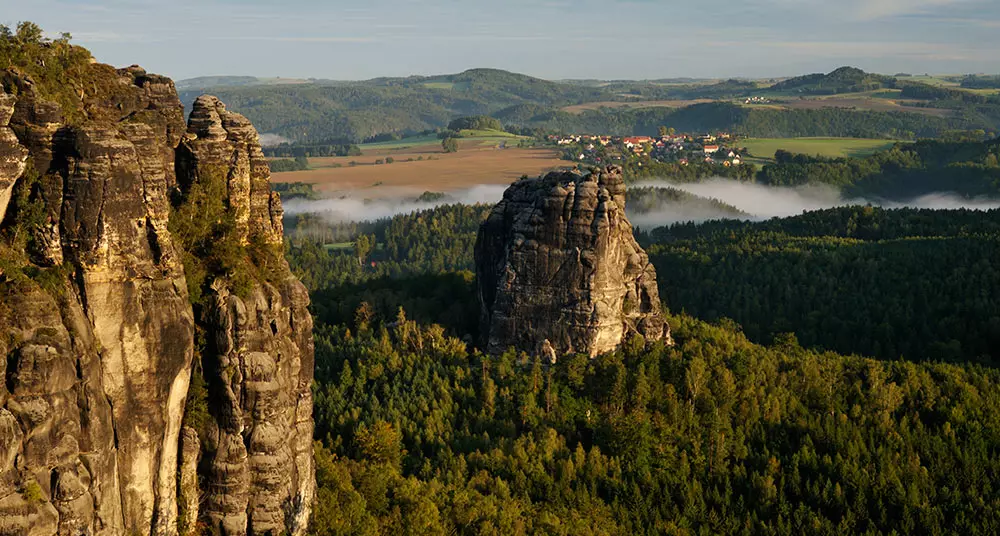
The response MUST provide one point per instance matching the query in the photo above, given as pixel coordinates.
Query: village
(669, 147)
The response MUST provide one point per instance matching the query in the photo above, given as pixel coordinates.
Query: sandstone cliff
(559, 270)
(99, 333)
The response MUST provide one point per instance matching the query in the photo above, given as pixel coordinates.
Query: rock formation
(258, 360)
(98, 332)
(559, 270)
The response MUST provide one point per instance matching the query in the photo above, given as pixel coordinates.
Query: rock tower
(558, 268)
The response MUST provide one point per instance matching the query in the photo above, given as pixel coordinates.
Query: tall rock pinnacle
(99, 335)
(558, 268)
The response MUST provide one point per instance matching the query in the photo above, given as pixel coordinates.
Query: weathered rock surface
(13, 157)
(98, 360)
(221, 141)
(559, 270)
(259, 357)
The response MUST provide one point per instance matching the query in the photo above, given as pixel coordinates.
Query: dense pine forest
(910, 284)
(419, 433)
(968, 167)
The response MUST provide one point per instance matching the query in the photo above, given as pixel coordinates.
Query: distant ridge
(842, 80)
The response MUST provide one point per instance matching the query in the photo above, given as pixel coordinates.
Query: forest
(419, 433)
(832, 373)
(892, 284)
(967, 167)
(352, 112)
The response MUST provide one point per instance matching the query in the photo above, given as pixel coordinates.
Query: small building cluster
(677, 148)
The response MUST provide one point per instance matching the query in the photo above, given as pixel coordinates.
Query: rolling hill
(842, 80)
(354, 111)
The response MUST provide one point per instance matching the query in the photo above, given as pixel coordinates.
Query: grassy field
(439, 85)
(483, 137)
(930, 80)
(832, 147)
(986, 91)
(415, 141)
(420, 166)
(865, 101)
(580, 108)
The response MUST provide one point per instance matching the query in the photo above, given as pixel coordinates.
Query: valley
(487, 303)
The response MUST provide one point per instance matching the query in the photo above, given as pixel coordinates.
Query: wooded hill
(313, 110)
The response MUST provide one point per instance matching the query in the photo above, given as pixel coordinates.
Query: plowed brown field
(474, 164)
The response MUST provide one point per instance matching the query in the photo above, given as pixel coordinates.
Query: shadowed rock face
(98, 362)
(558, 268)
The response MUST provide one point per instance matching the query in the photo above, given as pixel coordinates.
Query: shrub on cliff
(60, 72)
(203, 226)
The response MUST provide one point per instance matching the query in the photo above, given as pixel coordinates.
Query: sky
(553, 39)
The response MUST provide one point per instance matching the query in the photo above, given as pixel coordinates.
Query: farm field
(580, 108)
(831, 147)
(423, 167)
(865, 102)
(933, 80)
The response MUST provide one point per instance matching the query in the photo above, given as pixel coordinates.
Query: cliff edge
(109, 312)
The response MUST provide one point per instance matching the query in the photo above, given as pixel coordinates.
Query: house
(709, 149)
(737, 161)
(633, 141)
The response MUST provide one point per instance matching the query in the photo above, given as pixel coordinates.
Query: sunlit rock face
(258, 359)
(99, 353)
(559, 270)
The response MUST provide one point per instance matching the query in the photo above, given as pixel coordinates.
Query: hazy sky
(551, 39)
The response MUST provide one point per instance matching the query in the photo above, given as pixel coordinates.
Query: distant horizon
(551, 79)
(552, 39)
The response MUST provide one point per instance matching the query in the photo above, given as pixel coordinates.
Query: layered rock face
(100, 347)
(259, 358)
(559, 271)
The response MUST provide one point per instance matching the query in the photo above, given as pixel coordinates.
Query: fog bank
(765, 202)
(403, 202)
(272, 140)
(757, 201)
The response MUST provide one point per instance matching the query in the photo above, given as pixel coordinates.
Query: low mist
(273, 140)
(746, 201)
(400, 202)
(763, 202)
(670, 213)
